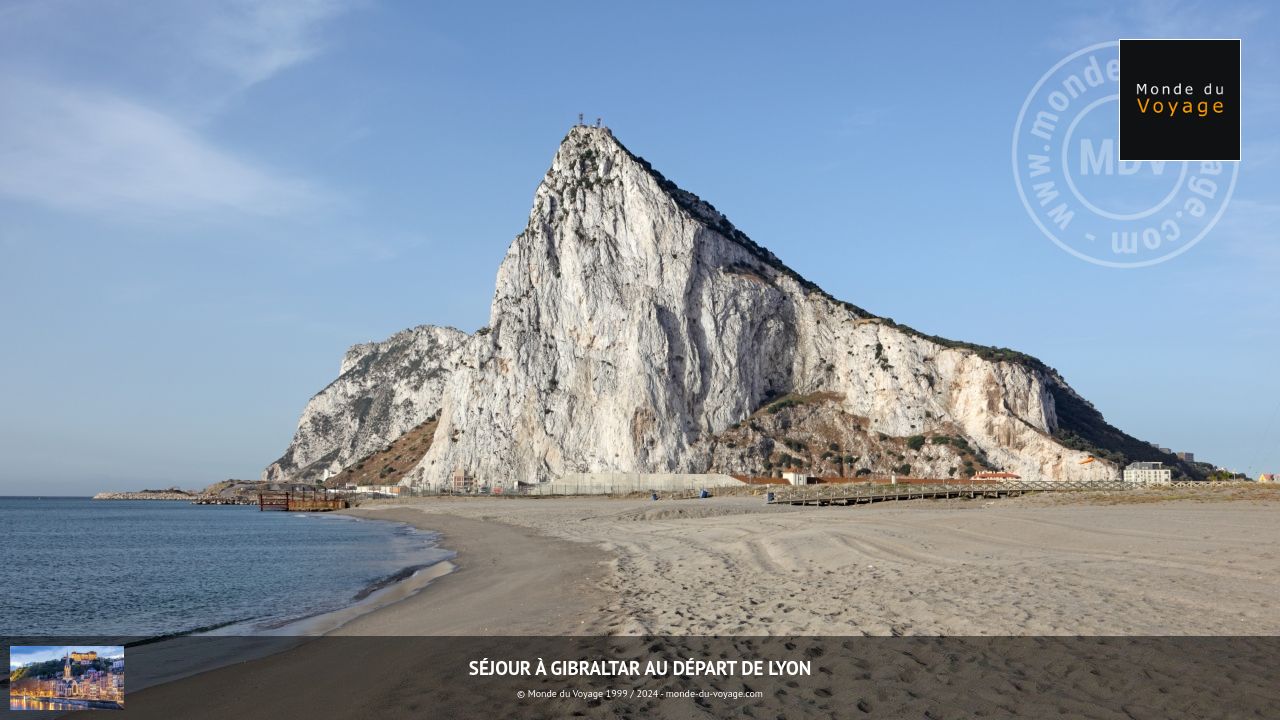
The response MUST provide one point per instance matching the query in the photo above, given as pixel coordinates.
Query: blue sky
(20, 655)
(202, 204)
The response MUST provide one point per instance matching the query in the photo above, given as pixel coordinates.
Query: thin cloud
(134, 148)
(256, 40)
(81, 150)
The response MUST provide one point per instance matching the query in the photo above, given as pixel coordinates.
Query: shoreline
(503, 580)
(468, 541)
(379, 593)
(499, 582)
(180, 656)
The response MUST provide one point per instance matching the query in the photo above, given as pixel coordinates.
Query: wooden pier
(302, 501)
(862, 493)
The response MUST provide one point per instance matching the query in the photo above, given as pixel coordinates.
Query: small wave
(391, 579)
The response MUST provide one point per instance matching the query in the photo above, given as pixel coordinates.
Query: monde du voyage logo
(1125, 153)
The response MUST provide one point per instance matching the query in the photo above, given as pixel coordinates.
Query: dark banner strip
(682, 677)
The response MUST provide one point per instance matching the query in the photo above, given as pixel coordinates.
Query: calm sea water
(74, 566)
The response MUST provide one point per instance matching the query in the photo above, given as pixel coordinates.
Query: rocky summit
(635, 329)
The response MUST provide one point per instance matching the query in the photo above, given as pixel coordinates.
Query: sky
(204, 203)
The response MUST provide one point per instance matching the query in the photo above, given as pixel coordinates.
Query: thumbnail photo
(66, 677)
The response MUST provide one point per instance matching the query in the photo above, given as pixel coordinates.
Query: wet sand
(507, 581)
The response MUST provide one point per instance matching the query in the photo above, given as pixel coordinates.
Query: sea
(153, 568)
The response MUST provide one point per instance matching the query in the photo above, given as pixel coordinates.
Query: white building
(1148, 473)
(795, 477)
(384, 490)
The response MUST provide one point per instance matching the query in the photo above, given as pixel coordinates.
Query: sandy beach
(1037, 565)
(1203, 565)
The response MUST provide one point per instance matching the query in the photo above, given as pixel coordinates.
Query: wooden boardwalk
(300, 502)
(861, 493)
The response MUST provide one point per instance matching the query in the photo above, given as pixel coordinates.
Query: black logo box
(1186, 67)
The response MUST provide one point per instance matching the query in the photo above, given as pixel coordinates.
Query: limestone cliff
(633, 328)
(383, 390)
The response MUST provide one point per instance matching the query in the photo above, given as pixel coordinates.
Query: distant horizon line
(40, 497)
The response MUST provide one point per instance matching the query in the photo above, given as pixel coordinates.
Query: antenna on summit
(597, 122)
(580, 119)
